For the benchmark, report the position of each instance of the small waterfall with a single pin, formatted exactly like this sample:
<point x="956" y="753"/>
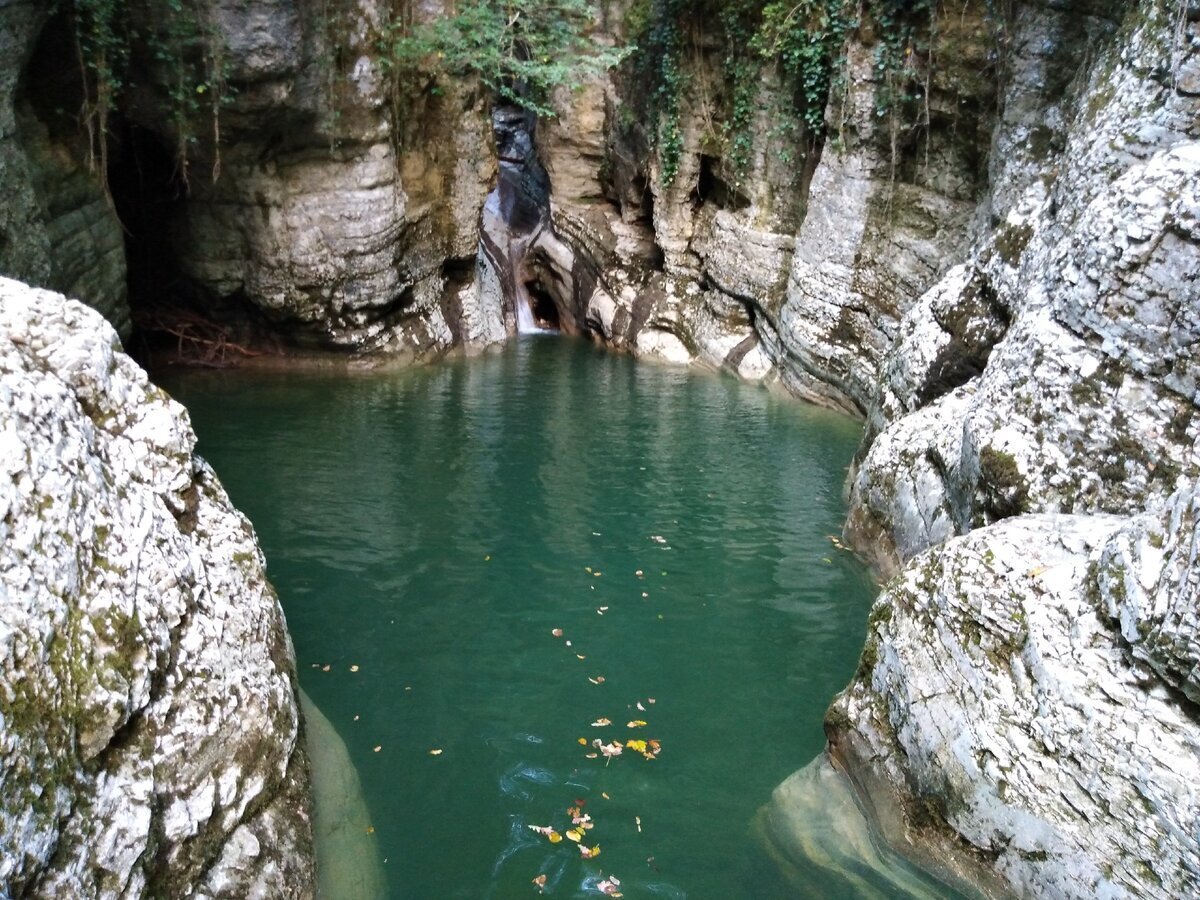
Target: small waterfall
<point x="526" y="323"/>
<point x="515" y="212"/>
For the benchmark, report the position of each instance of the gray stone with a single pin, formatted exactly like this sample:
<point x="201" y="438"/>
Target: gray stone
<point x="149" y="724"/>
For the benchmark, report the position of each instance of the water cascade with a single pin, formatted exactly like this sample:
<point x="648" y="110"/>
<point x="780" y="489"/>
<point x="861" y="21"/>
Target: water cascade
<point x="516" y="211"/>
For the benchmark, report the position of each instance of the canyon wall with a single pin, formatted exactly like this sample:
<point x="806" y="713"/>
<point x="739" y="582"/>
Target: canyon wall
<point x="1003" y="286"/>
<point x="149" y="722"/>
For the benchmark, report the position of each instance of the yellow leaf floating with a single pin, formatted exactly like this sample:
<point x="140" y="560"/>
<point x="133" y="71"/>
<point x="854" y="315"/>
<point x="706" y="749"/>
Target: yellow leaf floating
<point x="435" y="752"/>
<point x="589" y="852"/>
<point x="555" y="837"/>
<point x="575" y="834"/>
<point x="636" y="723"/>
<point x="639" y="746"/>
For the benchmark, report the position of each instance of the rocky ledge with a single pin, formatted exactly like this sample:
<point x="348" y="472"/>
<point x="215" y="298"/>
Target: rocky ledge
<point x="149" y="725"/>
<point x="1028" y="695"/>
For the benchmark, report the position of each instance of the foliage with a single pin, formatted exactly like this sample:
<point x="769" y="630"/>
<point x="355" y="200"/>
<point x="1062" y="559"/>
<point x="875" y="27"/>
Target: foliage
<point x="124" y="44"/>
<point x="803" y="43"/>
<point x="521" y="49"/>
<point x="800" y="40"/>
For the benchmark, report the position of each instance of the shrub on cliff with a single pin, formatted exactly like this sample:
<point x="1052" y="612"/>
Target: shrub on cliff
<point x="521" y="49"/>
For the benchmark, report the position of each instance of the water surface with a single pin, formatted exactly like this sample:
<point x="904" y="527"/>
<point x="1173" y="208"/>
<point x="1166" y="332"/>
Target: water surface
<point x="428" y="530"/>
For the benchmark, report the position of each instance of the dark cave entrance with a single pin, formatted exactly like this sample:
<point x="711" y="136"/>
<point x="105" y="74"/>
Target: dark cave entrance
<point x="545" y="310"/>
<point x="149" y="196"/>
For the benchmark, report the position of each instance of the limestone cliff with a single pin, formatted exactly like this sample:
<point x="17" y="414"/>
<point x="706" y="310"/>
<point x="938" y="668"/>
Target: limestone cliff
<point x="1002" y="282"/>
<point x="149" y="726"/>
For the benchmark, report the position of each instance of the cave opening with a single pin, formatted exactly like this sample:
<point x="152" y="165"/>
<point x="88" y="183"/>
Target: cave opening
<point x="711" y="187"/>
<point x="545" y="310"/>
<point x="149" y="195"/>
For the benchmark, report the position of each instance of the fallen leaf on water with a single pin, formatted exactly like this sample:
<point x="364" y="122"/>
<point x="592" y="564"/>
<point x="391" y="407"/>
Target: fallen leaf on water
<point x="639" y="746"/>
<point x="644" y="594"/>
<point x="610" y="886"/>
<point x="658" y="539"/>
<point x="575" y="834"/>
<point x="435" y="752"/>
<point x="568" y="643"/>
<point x="325" y="668"/>
<point x="640" y="707"/>
<point x="650" y="700"/>
<point x="557" y="632"/>
<point x="599" y="679"/>
<point x="609" y="750"/>
<point x="601" y="723"/>
<point x="601" y="610"/>
<point x="378" y="747"/>
<point x="605" y="796"/>
<point x="592" y="756"/>
<point x="587" y="569"/>
<point x="583" y="741"/>
<point x="580" y="656"/>
<point x="487" y="558"/>
<point x="540" y="881"/>
<point x="370" y="829"/>
<point x="638" y="573"/>
<point x="638" y="821"/>
<point x="583" y="822"/>
<point x="636" y="723"/>
<point x="354" y="668"/>
<point x="589" y="852"/>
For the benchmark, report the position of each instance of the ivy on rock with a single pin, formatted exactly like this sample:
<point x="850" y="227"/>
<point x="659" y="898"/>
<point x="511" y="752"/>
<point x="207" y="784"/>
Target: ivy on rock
<point x="520" y="49"/>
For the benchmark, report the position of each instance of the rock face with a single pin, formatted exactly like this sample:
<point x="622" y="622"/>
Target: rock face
<point x="1032" y="686"/>
<point x="149" y="728"/>
<point x="57" y="228"/>
<point x="346" y="223"/>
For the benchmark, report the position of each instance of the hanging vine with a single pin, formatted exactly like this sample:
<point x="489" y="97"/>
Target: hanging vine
<point x="170" y="45"/>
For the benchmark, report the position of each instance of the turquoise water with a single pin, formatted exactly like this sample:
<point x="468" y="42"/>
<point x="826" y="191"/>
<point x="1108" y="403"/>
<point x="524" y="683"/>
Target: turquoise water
<point x="427" y="530"/>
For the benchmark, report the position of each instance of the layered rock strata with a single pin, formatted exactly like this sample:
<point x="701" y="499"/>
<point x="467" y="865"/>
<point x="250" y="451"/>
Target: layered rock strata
<point x="149" y="723"/>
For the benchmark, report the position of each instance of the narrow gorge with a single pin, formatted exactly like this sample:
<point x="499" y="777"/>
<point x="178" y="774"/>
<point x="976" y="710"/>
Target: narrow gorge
<point x="969" y="228"/>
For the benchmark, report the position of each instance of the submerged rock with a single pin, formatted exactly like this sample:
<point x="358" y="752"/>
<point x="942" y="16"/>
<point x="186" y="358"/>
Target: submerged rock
<point x="149" y="726"/>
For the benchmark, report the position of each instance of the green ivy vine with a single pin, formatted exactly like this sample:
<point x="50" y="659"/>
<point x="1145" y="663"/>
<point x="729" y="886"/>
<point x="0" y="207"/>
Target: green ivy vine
<point x="170" y="45"/>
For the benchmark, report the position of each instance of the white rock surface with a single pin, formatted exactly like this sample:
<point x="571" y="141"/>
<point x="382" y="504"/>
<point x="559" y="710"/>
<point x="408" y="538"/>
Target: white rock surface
<point x="148" y="713"/>
<point x="1001" y="703"/>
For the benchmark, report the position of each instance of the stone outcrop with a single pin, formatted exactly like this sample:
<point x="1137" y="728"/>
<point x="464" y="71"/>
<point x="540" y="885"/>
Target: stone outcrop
<point x="1031" y="687"/>
<point x="1088" y="402"/>
<point x="149" y="723"/>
